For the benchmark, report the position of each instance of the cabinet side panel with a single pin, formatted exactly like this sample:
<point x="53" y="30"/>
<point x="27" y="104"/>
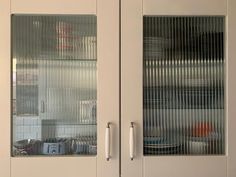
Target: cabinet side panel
<point x="131" y="86"/>
<point x="231" y="95"/>
<point x="5" y="88"/>
<point x="184" y="7"/>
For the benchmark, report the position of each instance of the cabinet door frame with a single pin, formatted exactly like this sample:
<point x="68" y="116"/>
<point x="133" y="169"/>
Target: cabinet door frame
<point x="132" y="93"/>
<point x="231" y="86"/>
<point x="107" y="12"/>
<point x="5" y="136"/>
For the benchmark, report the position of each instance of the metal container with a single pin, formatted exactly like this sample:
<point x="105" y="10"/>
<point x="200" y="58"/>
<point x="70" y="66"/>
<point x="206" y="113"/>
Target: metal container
<point x="56" y="147"/>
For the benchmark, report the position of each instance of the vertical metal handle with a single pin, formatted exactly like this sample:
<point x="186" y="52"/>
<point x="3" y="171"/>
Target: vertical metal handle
<point x="107" y="142"/>
<point x="131" y="141"/>
<point x="42" y="107"/>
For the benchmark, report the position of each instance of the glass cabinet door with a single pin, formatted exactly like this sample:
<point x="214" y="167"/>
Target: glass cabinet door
<point x="54" y="85"/>
<point x="63" y="68"/>
<point x="174" y="88"/>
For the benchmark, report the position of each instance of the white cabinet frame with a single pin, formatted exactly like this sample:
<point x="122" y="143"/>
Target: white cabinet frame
<point x="5" y="88"/>
<point x="108" y="38"/>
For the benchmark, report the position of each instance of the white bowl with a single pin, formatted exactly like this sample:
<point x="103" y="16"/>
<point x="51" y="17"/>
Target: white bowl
<point x="198" y="147"/>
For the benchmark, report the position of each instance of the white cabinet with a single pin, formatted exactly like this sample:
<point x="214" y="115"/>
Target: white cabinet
<point x="109" y="88"/>
<point x="177" y="92"/>
<point x="55" y="77"/>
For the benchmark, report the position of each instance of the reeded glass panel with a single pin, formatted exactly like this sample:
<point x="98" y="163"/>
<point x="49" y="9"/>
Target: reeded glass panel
<point x="54" y="85"/>
<point x="183" y="85"/>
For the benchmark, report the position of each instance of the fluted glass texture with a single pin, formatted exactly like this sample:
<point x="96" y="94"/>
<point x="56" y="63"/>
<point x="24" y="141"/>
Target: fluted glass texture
<point x="184" y="85"/>
<point x="54" y="85"/>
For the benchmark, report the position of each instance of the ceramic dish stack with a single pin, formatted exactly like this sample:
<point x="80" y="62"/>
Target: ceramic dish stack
<point x="160" y="146"/>
<point x="84" y="145"/>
